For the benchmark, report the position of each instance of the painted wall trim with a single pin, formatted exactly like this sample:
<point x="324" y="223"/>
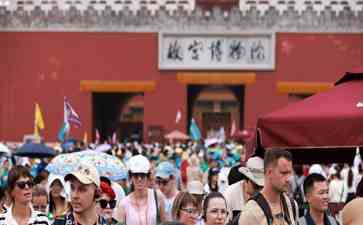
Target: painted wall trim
<point x="300" y="87"/>
<point x="117" y="86"/>
<point x="216" y="78"/>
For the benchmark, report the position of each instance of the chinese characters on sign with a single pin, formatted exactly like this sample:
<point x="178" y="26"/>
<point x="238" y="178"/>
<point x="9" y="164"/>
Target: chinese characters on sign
<point x="211" y="51"/>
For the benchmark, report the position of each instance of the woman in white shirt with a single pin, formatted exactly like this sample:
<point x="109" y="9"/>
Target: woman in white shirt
<point x="338" y="188"/>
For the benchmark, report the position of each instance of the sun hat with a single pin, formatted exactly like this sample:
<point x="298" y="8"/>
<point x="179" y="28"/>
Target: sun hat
<point x="254" y="170"/>
<point x="138" y="164"/>
<point x="52" y="178"/>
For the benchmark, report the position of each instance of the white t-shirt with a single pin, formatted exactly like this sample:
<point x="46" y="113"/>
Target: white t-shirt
<point x="234" y="196"/>
<point x="338" y="191"/>
<point x="36" y="217"/>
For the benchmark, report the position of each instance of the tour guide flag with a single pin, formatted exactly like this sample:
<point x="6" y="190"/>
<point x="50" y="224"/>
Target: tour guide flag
<point x="70" y="117"/>
<point x="38" y="120"/>
<point x="194" y="131"/>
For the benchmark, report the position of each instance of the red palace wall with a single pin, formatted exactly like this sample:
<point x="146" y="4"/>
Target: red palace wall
<point x="45" y="67"/>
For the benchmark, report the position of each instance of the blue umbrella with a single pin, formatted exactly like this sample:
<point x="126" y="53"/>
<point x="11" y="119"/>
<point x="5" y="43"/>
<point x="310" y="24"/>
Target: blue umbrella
<point x="34" y="150"/>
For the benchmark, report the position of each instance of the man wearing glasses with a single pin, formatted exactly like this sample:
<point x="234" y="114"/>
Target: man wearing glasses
<point x="85" y="191"/>
<point x="166" y="181"/>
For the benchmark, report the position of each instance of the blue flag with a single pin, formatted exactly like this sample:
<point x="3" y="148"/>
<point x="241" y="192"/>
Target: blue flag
<point x="194" y="131"/>
<point x="63" y="132"/>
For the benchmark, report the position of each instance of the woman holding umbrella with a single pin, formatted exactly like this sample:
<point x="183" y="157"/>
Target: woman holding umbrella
<point x="20" y="187"/>
<point x="143" y="206"/>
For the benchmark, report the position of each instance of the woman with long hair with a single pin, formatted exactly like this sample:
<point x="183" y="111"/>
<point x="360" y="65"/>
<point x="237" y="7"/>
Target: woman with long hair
<point x="143" y="206"/>
<point x="58" y="204"/>
<point x="337" y="188"/>
<point x="20" y="188"/>
<point x="213" y="177"/>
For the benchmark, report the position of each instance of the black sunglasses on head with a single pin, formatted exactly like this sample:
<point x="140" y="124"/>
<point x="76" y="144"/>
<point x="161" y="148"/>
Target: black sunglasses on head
<point x="23" y="184"/>
<point x="104" y="203"/>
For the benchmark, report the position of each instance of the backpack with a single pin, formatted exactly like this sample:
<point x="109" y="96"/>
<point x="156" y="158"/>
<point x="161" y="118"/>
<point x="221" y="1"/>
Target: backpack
<point x="261" y="201"/>
<point x="298" y="195"/>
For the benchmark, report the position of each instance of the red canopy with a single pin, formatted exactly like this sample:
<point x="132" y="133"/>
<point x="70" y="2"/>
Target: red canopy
<point x="328" y="120"/>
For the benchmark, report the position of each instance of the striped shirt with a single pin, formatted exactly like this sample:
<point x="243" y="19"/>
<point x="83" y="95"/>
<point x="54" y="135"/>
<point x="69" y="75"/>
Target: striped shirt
<point x="36" y="218"/>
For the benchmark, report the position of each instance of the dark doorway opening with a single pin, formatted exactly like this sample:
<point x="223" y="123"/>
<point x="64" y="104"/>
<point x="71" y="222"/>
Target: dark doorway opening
<point x="118" y="112"/>
<point x="214" y="106"/>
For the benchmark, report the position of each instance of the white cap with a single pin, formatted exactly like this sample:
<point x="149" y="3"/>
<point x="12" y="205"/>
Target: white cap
<point x="86" y="174"/>
<point x="138" y="164"/>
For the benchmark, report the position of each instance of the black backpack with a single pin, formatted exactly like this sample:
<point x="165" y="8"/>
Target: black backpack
<point x="261" y="201"/>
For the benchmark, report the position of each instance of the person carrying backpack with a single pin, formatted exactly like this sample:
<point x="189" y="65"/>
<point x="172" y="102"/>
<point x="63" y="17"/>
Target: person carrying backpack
<point x="316" y="192"/>
<point x="272" y="206"/>
<point x="239" y="193"/>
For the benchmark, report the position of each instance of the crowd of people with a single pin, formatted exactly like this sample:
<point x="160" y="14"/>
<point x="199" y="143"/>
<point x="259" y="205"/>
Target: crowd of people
<point x="182" y="184"/>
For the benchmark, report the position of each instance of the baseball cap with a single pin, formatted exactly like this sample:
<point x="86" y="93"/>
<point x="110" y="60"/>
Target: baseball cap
<point x="195" y="187"/>
<point x="164" y="170"/>
<point x="138" y="164"/>
<point x="86" y="174"/>
<point x="254" y="170"/>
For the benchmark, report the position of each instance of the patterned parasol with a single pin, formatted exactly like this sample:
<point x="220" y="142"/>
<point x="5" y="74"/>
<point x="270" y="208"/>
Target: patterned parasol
<point x="107" y="165"/>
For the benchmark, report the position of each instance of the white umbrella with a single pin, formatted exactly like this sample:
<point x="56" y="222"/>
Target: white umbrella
<point x="4" y="149"/>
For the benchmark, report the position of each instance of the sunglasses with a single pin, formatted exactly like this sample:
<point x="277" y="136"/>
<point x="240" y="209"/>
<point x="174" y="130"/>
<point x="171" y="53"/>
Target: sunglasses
<point x="104" y="203"/>
<point x="139" y="175"/>
<point x="160" y="181"/>
<point x="23" y="184"/>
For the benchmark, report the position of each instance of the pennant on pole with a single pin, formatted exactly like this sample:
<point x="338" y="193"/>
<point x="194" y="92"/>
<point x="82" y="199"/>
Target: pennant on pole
<point x="233" y="128"/>
<point x="63" y="132"/>
<point x="178" y="116"/>
<point x="98" y="137"/>
<point x="71" y="115"/>
<point x="85" y="138"/>
<point x="38" y="120"/>
<point x="194" y="131"/>
<point x="114" y="138"/>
